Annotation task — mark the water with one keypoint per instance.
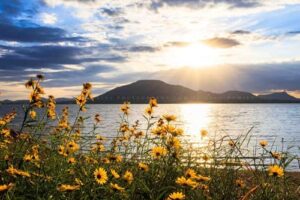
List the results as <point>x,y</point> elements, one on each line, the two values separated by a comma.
<point>270,122</point>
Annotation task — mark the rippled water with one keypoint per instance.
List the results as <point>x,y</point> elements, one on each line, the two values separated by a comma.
<point>269,121</point>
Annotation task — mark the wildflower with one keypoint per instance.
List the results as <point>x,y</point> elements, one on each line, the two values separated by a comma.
<point>176,196</point>
<point>100,175</point>
<point>153,102</point>
<point>100,138</point>
<point>186,182</point>
<point>32,114</point>
<point>205,157</point>
<point>27,158</point>
<point>13,171</point>
<point>97,118</point>
<point>71,160</point>
<point>116,187</point>
<point>5,132</point>
<point>240,183</point>
<point>61,150</point>
<point>143,167</point>
<point>177,132</point>
<point>190,173</point>
<point>169,117</point>
<point>200,178</point>
<point>158,152</point>
<point>159,131</point>
<point>72,146</point>
<point>276,155</point>
<point>51,113</point>
<point>114,173</point>
<point>203,133</point>
<point>149,111</point>
<point>30,83</point>
<point>6,187</point>
<point>40,77</point>
<point>263,143</point>
<point>125,108</point>
<point>117,158</point>
<point>275,171</point>
<point>67,188</point>
<point>231,143</point>
<point>105,160</point>
<point>128,177</point>
<point>174,142</point>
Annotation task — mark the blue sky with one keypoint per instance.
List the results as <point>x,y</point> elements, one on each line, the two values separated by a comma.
<point>215,45</point>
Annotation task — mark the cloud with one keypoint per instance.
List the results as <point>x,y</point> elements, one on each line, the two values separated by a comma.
<point>219,42</point>
<point>177,44</point>
<point>240,32</point>
<point>111,11</point>
<point>205,3</point>
<point>293,32</point>
<point>48,18</point>
<point>10,32</point>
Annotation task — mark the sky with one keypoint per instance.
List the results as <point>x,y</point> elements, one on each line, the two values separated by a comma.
<point>211,45</point>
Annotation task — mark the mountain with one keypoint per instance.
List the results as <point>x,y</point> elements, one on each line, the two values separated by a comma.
<point>140,92</point>
<point>279,96</point>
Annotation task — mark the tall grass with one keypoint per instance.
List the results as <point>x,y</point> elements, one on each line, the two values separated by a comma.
<point>156,163</point>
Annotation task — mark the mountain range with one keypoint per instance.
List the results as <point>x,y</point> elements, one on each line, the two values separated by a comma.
<point>140,92</point>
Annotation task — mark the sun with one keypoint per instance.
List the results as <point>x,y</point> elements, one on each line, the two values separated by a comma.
<point>194,55</point>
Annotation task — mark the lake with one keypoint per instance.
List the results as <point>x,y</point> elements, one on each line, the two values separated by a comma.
<point>270,122</point>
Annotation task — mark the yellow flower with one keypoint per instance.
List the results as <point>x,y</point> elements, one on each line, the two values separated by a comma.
<point>116,187</point>
<point>128,177</point>
<point>169,117</point>
<point>72,146</point>
<point>174,142</point>
<point>276,155</point>
<point>190,173</point>
<point>205,157</point>
<point>5,132</point>
<point>100,138</point>
<point>27,158</point>
<point>158,152</point>
<point>240,183</point>
<point>125,108</point>
<point>67,188</point>
<point>32,114</point>
<point>200,178</point>
<point>275,171</point>
<point>186,182</point>
<point>114,173</point>
<point>176,196</point>
<point>143,167</point>
<point>149,111</point>
<point>105,160</point>
<point>231,143</point>
<point>159,131</point>
<point>263,143</point>
<point>12,171</point>
<point>100,175</point>
<point>61,149</point>
<point>152,102</point>
<point>71,160</point>
<point>203,133</point>
<point>6,187</point>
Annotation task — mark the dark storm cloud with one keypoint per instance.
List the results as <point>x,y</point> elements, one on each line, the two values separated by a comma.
<point>219,42</point>
<point>11,32</point>
<point>203,3</point>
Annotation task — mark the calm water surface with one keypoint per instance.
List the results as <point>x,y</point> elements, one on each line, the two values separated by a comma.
<point>269,121</point>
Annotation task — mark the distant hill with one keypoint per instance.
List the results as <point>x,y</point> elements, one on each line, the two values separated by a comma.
<point>140,92</point>
<point>283,96</point>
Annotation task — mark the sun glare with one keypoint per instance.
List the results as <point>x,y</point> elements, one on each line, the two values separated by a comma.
<point>194,55</point>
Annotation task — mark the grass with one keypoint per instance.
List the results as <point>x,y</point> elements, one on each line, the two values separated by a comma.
<point>37,163</point>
